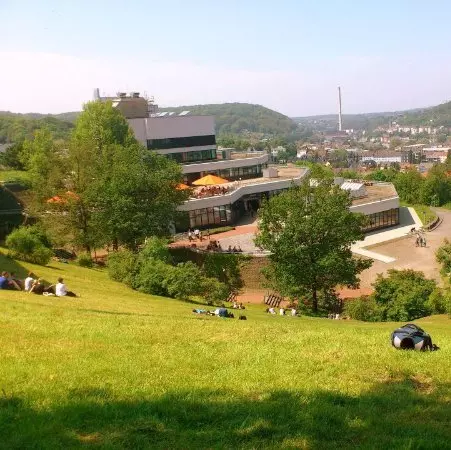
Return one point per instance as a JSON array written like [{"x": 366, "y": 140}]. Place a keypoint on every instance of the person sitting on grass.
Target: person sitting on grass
[
  {"x": 61, "y": 290},
  {"x": 7, "y": 283},
  {"x": 28, "y": 283},
  {"x": 13, "y": 277},
  {"x": 39, "y": 288}
]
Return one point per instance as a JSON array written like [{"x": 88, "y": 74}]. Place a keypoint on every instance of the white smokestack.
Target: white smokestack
[{"x": 340, "y": 123}]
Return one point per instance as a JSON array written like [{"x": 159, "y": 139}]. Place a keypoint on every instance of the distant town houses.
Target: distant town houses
[{"x": 412, "y": 130}]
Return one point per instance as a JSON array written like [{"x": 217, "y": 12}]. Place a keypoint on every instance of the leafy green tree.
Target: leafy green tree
[
  {"x": 436, "y": 188},
  {"x": 44, "y": 161},
  {"x": 403, "y": 295},
  {"x": 317, "y": 170},
  {"x": 135, "y": 195},
  {"x": 387, "y": 175},
  {"x": 309, "y": 232},
  {"x": 121, "y": 192},
  {"x": 408, "y": 185},
  {"x": 443, "y": 256},
  {"x": 11, "y": 157}
]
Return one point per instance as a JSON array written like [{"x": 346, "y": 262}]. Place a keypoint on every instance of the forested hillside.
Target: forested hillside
[
  {"x": 436, "y": 116},
  {"x": 231, "y": 118},
  {"x": 329, "y": 122},
  {"x": 236, "y": 118},
  {"x": 17, "y": 127}
]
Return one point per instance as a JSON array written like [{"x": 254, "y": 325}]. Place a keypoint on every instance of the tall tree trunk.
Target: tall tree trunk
[{"x": 315, "y": 300}]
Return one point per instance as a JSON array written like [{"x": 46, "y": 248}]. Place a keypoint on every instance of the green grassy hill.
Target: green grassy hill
[{"x": 119, "y": 369}]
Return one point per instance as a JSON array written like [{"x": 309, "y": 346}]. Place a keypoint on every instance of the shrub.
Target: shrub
[
  {"x": 214, "y": 291},
  {"x": 29, "y": 244},
  {"x": 403, "y": 295},
  {"x": 152, "y": 277},
  {"x": 85, "y": 260},
  {"x": 184, "y": 281},
  {"x": 122, "y": 266},
  {"x": 157, "y": 249},
  {"x": 437, "y": 302},
  {"x": 225, "y": 267},
  {"x": 362, "y": 308}
]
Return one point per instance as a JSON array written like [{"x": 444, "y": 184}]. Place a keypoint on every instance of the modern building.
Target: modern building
[{"x": 191, "y": 141}]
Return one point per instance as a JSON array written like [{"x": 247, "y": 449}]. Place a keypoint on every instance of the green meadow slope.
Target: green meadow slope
[{"x": 116, "y": 368}]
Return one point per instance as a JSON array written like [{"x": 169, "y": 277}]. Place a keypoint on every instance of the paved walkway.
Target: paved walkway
[{"x": 408, "y": 220}]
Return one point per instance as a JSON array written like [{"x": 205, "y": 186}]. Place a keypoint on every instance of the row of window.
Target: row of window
[
  {"x": 190, "y": 157},
  {"x": 234, "y": 173},
  {"x": 219, "y": 215},
  {"x": 382, "y": 219},
  {"x": 189, "y": 141}
]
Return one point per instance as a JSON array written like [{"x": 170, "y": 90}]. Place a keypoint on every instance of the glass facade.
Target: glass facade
[
  {"x": 244, "y": 173},
  {"x": 178, "y": 142},
  {"x": 231, "y": 174},
  {"x": 192, "y": 157},
  {"x": 218, "y": 215},
  {"x": 382, "y": 219}
]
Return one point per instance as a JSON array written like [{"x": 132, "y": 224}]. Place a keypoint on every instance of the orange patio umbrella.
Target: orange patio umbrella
[
  {"x": 209, "y": 180},
  {"x": 182, "y": 187}
]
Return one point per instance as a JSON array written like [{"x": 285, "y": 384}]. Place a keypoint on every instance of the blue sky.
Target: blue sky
[{"x": 288, "y": 55}]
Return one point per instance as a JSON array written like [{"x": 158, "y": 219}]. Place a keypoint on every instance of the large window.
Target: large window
[
  {"x": 382, "y": 219},
  {"x": 191, "y": 157},
  {"x": 219, "y": 215},
  {"x": 190, "y": 141},
  {"x": 244, "y": 173}
]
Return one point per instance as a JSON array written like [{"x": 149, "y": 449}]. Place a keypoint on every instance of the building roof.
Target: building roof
[
  {"x": 351, "y": 186},
  {"x": 376, "y": 192}
]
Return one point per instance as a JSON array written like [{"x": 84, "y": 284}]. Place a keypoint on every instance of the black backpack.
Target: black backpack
[{"x": 412, "y": 337}]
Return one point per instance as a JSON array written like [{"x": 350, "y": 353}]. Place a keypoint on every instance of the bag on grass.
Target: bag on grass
[{"x": 412, "y": 337}]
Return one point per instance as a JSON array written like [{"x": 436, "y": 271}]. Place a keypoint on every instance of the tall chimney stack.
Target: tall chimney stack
[{"x": 340, "y": 123}]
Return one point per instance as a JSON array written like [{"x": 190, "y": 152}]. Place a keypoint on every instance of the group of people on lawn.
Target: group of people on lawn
[
  {"x": 282, "y": 311},
  {"x": 34, "y": 285}
]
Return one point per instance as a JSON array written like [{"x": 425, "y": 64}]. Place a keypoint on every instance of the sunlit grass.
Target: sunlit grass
[
  {"x": 14, "y": 175},
  {"x": 116, "y": 368}
]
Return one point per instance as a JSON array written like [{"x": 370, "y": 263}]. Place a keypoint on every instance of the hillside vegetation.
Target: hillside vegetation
[
  {"x": 116, "y": 368},
  {"x": 231, "y": 118},
  {"x": 436, "y": 116},
  {"x": 17, "y": 127},
  {"x": 236, "y": 118}
]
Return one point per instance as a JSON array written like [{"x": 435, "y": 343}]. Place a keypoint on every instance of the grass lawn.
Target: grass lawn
[
  {"x": 116, "y": 368},
  {"x": 14, "y": 175},
  {"x": 425, "y": 213}
]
